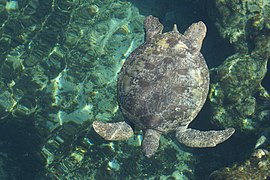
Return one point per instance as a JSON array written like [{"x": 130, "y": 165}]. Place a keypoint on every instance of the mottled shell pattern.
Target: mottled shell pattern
[{"x": 164, "y": 82}]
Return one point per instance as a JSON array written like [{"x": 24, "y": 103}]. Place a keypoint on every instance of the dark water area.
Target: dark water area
[
  {"x": 266, "y": 79},
  {"x": 20, "y": 144},
  {"x": 237, "y": 148}
]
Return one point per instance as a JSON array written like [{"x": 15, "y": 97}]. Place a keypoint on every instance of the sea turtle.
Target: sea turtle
[{"x": 162, "y": 87}]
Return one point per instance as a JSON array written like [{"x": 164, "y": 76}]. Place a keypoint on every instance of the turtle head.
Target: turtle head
[{"x": 152, "y": 27}]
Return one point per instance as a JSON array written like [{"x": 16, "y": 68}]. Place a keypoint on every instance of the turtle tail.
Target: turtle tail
[{"x": 150, "y": 142}]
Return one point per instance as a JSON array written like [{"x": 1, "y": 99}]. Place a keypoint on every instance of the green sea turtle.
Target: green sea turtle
[{"x": 162, "y": 87}]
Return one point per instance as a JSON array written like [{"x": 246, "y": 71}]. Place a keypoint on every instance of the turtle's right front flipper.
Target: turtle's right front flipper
[
  {"x": 197, "y": 138},
  {"x": 113, "y": 131}
]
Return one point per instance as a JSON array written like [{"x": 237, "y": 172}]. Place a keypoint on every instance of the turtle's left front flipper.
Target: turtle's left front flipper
[
  {"x": 197, "y": 138},
  {"x": 118, "y": 131}
]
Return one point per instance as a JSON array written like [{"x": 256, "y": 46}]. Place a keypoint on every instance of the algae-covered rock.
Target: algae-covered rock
[
  {"x": 236, "y": 89},
  {"x": 257, "y": 167},
  {"x": 241, "y": 21},
  {"x": 236, "y": 95}
]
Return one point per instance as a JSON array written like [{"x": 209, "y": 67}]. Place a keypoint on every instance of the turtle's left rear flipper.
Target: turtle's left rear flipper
[
  {"x": 197, "y": 138},
  {"x": 113, "y": 131}
]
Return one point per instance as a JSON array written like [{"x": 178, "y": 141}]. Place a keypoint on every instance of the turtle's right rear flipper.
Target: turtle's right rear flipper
[
  {"x": 197, "y": 138},
  {"x": 113, "y": 131}
]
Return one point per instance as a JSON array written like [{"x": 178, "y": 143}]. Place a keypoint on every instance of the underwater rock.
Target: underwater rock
[
  {"x": 91, "y": 157},
  {"x": 93, "y": 9},
  {"x": 236, "y": 91},
  {"x": 257, "y": 167},
  {"x": 64, "y": 57},
  {"x": 236, "y": 96},
  {"x": 12, "y": 5},
  {"x": 241, "y": 21}
]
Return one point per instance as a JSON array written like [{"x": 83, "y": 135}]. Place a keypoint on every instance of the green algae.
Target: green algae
[
  {"x": 256, "y": 167},
  {"x": 233, "y": 90}
]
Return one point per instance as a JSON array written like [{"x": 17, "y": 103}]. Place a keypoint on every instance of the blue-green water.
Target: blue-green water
[{"x": 59, "y": 64}]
